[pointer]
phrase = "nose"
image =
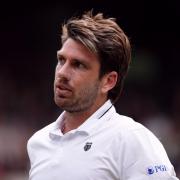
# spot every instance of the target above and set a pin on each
(63, 71)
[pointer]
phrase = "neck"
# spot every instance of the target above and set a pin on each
(73, 120)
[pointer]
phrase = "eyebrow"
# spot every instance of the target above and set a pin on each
(60, 55)
(82, 60)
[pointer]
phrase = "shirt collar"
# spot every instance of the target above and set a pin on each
(93, 122)
(56, 129)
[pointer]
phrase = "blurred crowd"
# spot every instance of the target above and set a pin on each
(23, 110)
(27, 107)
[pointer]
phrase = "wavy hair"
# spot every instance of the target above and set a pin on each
(104, 37)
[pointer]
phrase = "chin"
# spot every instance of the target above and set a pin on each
(59, 102)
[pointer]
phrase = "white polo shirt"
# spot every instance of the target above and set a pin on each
(107, 146)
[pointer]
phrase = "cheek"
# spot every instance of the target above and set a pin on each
(82, 80)
(87, 84)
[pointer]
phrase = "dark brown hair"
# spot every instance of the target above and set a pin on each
(104, 37)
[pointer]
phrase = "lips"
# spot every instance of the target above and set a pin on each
(63, 90)
(63, 87)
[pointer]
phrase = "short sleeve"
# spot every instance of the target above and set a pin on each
(143, 157)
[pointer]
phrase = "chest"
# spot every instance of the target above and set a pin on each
(77, 158)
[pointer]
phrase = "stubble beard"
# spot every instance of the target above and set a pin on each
(81, 101)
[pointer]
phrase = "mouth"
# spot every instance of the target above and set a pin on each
(62, 90)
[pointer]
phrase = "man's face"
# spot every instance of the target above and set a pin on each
(76, 85)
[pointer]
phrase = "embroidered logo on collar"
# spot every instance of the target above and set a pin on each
(87, 146)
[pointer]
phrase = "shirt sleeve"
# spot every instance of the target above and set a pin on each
(143, 157)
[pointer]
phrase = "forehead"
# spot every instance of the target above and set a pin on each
(76, 50)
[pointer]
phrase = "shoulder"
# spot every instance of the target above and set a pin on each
(134, 138)
(125, 125)
(131, 131)
(139, 150)
(40, 136)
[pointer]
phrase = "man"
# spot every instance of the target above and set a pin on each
(89, 140)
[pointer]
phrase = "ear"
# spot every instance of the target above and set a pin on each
(109, 80)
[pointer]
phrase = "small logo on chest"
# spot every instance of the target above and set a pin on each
(87, 146)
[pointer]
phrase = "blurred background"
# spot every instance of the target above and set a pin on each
(29, 39)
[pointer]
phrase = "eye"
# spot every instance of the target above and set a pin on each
(61, 60)
(78, 64)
